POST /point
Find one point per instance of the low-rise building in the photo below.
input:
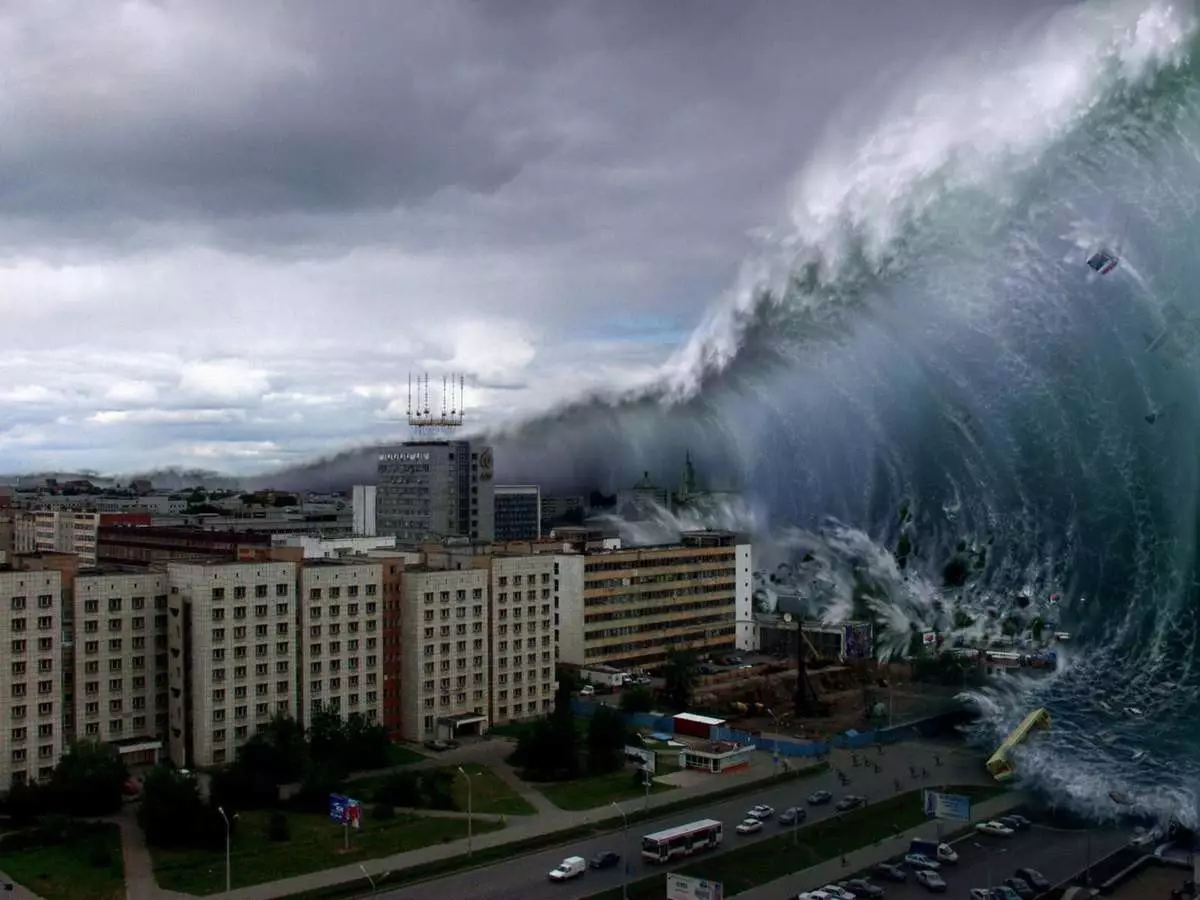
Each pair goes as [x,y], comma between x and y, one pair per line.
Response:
[232,655]
[340,621]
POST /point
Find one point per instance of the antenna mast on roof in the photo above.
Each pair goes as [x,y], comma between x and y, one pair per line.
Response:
[428,425]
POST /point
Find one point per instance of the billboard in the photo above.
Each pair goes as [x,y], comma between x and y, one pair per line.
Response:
[345,811]
[947,807]
[684,887]
[647,759]
[856,642]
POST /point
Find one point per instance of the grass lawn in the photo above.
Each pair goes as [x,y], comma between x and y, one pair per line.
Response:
[763,861]
[490,793]
[65,872]
[315,844]
[596,790]
[399,755]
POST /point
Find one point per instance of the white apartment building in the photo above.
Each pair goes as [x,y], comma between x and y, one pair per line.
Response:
[332,548]
[232,652]
[67,531]
[522,637]
[445,649]
[340,623]
[31,718]
[362,503]
[120,643]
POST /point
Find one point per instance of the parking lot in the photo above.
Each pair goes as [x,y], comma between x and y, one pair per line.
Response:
[985,860]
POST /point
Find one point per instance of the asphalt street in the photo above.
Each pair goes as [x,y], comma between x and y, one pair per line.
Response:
[524,878]
[984,860]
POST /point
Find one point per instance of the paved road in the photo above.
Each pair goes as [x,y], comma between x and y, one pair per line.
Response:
[1056,854]
[524,878]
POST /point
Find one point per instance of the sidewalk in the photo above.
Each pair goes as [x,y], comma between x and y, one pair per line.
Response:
[18,892]
[832,871]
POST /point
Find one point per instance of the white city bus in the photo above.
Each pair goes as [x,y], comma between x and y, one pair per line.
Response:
[682,840]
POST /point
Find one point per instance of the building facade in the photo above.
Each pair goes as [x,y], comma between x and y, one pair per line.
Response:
[31,711]
[636,605]
[435,490]
[120,651]
[521,629]
[362,502]
[340,620]
[232,651]
[518,513]
[130,546]
[445,652]
[67,531]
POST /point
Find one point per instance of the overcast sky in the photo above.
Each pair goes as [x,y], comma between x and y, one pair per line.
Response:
[231,229]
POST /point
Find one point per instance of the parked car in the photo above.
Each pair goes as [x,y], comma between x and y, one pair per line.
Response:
[921,862]
[994,828]
[819,798]
[587,691]
[749,826]
[946,853]
[762,811]
[605,859]
[571,867]
[1035,878]
[862,888]
[793,815]
[837,892]
[1021,887]
[1016,823]
[931,881]
[890,872]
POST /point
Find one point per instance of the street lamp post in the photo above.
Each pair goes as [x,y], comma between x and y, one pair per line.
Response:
[624,851]
[646,776]
[470,810]
[229,820]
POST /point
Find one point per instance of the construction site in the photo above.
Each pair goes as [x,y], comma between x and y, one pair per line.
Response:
[809,694]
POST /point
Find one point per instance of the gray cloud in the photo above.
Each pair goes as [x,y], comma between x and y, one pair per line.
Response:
[268,214]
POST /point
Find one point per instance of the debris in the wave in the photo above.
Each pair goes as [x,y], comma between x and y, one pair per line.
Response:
[1158,413]
[1102,261]
[1134,711]
[1120,797]
[1139,755]
[1104,705]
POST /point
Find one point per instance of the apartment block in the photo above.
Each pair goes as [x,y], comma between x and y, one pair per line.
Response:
[445,652]
[341,638]
[120,644]
[67,531]
[31,714]
[362,502]
[522,637]
[392,565]
[232,655]
[636,605]
[435,490]
[518,514]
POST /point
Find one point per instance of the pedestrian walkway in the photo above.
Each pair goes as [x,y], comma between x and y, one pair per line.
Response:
[18,892]
[833,871]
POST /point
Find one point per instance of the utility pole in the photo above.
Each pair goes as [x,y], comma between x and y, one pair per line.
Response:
[624,851]
[470,810]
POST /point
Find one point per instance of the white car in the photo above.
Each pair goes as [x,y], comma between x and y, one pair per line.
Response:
[838,893]
[946,853]
[587,691]
[931,881]
[921,862]
[762,811]
[994,828]
[749,826]
[571,867]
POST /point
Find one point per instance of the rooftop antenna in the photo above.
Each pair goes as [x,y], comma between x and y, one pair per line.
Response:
[424,422]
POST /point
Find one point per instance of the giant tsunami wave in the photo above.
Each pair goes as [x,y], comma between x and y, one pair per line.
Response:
[925,337]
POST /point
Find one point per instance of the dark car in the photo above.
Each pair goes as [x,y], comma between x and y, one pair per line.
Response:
[1016,823]
[818,798]
[1021,886]
[849,802]
[605,859]
[1034,878]
[793,815]
[860,887]
[890,872]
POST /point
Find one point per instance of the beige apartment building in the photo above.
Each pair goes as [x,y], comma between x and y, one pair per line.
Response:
[31,714]
[232,655]
[63,531]
[444,657]
[120,655]
[629,608]
[522,637]
[340,621]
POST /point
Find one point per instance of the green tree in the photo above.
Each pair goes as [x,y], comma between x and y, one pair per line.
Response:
[679,675]
[326,738]
[606,739]
[366,743]
[173,816]
[637,700]
[89,779]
